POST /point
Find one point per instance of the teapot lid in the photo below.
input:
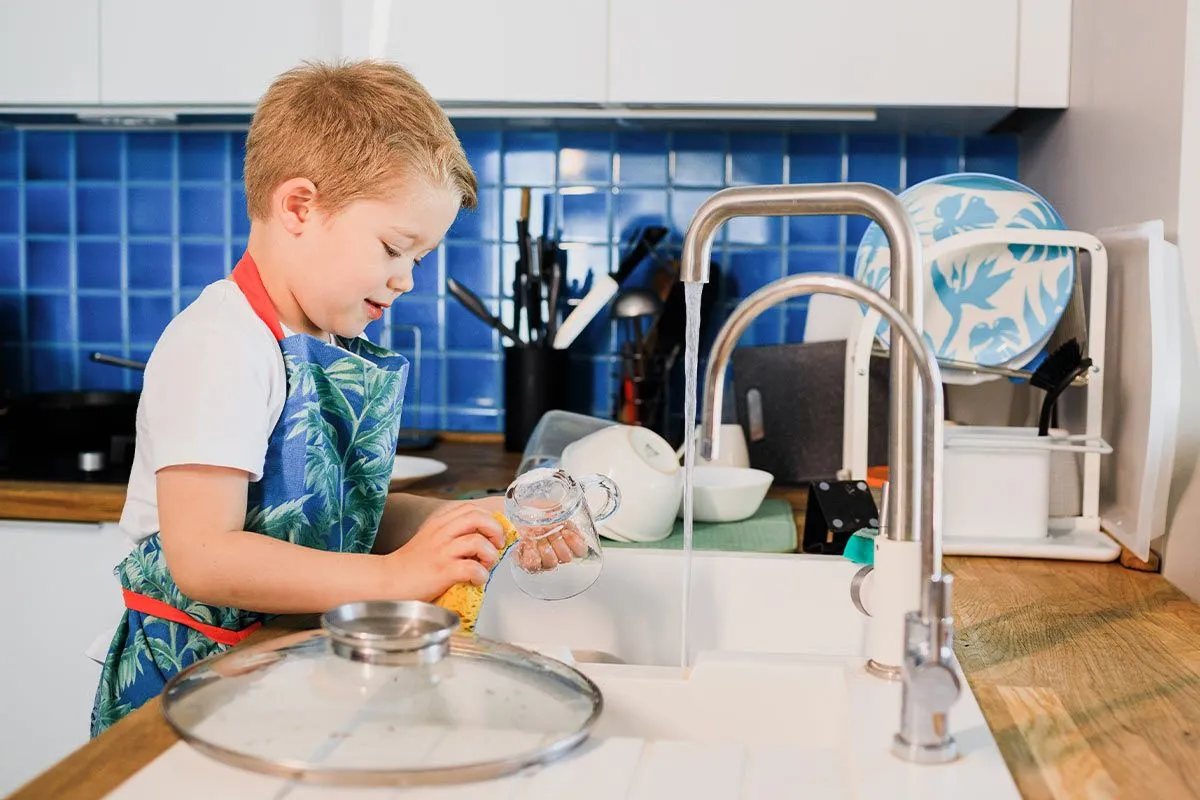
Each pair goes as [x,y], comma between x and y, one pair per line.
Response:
[387,693]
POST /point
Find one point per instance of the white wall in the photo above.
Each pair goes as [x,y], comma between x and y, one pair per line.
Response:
[1181,557]
[1127,151]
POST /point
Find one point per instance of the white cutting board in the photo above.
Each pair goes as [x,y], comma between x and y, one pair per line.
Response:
[1143,374]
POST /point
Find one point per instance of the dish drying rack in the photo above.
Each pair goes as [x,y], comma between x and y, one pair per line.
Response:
[1076,537]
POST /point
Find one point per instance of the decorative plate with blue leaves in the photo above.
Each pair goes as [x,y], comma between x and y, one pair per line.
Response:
[997,304]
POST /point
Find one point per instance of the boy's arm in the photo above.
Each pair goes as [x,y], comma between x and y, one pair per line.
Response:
[202,510]
[403,514]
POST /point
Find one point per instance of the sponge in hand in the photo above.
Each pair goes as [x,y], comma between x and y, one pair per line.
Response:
[465,599]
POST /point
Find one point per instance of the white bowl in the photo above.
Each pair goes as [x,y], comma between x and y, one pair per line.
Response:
[643,466]
[728,494]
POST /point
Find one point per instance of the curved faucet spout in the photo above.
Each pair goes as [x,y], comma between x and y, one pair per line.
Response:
[927,437]
[880,205]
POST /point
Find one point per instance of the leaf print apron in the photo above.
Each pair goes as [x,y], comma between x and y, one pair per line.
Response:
[324,483]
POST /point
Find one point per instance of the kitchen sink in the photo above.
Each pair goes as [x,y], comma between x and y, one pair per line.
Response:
[754,603]
[776,702]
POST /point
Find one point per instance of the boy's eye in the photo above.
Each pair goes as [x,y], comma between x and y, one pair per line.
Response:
[390,251]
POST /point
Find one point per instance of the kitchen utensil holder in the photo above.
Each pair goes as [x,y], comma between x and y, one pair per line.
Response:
[650,383]
[535,381]
[862,343]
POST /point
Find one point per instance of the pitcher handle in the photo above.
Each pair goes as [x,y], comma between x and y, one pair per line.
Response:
[612,495]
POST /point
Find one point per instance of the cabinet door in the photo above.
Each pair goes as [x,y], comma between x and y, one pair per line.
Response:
[49,51]
[814,52]
[218,52]
[57,594]
[483,51]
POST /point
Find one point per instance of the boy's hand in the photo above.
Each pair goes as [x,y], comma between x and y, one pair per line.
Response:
[457,544]
[545,548]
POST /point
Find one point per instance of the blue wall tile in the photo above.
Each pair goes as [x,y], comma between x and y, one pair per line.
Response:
[10,209]
[151,156]
[150,265]
[48,156]
[98,156]
[585,157]
[47,209]
[98,265]
[203,157]
[201,211]
[482,223]
[149,210]
[700,158]
[50,318]
[10,264]
[756,158]
[529,158]
[48,264]
[107,214]
[148,315]
[10,155]
[483,152]
[642,158]
[98,210]
[200,263]
[100,318]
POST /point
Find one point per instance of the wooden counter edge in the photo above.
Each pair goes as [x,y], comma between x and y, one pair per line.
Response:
[45,501]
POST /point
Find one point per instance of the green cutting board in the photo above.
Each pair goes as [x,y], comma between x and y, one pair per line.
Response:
[772,529]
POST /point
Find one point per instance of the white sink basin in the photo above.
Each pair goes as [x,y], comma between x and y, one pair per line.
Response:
[752,603]
[777,702]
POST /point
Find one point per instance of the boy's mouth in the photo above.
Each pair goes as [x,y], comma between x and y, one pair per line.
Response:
[374,310]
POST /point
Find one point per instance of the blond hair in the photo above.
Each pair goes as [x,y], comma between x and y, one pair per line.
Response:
[355,130]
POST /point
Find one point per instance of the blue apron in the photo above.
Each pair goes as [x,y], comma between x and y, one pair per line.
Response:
[325,480]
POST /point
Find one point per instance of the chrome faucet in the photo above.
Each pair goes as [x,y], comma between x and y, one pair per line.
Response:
[930,683]
[884,208]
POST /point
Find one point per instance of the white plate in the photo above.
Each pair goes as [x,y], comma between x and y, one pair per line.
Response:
[407,470]
[994,304]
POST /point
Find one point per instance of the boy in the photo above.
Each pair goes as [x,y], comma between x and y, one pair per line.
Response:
[267,425]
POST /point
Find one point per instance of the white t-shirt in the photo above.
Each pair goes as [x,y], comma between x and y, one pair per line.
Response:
[213,390]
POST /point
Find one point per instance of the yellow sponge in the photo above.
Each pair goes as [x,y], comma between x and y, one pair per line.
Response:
[465,599]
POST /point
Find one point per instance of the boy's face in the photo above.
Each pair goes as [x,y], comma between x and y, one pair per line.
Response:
[350,266]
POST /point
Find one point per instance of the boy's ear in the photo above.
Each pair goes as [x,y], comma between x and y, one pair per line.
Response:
[294,201]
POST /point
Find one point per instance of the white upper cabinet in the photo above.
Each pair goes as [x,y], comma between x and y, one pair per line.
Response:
[495,57]
[814,52]
[216,52]
[485,51]
[49,52]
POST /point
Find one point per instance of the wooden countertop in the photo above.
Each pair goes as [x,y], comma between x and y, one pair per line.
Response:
[1088,674]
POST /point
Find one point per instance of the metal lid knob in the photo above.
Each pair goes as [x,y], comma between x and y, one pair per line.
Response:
[390,631]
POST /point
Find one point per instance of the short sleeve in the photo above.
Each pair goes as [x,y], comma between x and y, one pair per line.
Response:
[213,389]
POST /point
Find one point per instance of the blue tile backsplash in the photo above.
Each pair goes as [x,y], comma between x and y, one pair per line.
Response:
[104,236]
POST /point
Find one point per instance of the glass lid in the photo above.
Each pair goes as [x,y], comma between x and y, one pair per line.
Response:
[386,694]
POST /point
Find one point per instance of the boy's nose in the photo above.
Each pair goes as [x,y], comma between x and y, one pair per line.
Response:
[401,283]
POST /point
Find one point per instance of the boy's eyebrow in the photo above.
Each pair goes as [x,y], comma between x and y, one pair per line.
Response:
[404,231]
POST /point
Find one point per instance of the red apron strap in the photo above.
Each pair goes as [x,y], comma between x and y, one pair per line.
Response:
[246,276]
[157,608]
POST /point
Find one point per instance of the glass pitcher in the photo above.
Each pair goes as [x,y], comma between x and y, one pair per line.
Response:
[558,553]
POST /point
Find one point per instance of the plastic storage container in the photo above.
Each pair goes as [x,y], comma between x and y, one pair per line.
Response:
[553,432]
[997,481]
